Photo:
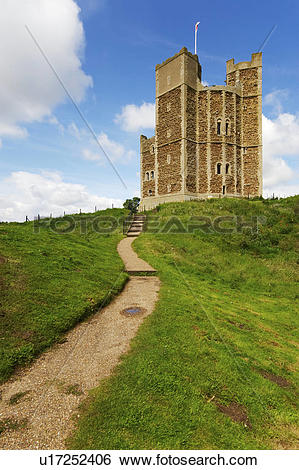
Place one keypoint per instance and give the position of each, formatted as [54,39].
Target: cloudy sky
[105,51]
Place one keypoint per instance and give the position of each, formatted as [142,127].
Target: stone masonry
[208,139]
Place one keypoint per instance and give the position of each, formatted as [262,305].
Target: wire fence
[65,214]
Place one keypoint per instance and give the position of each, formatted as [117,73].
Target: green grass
[50,281]
[214,366]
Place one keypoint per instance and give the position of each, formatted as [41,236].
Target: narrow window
[153,149]
[152,175]
[218,168]
[147,176]
[168,159]
[150,192]
[227,168]
[227,128]
[169,188]
[219,127]
[223,189]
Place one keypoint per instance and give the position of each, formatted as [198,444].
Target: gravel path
[130,258]
[39,401]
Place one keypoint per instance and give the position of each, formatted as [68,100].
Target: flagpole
[196,28]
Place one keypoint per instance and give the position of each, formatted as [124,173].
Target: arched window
[147,176]
[219,127]
[227,127]
[152,175]
[150,192]
[223,189]
[227,169]
[218,169]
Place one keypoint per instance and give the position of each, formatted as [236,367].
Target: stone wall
[169,174]
[239,170]
[229,178]
[170,117]
[230,116]
[216,108]
[203,169]
[231,78]
[191,167]
[238,120]
[148,165]
[250,121]
[250,171]
[249,81]
[216,157]
[191,121]
[202,125]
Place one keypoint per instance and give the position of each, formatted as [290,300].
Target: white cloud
[24,193]
[114,150]
[280,141]
[54,121]
[133,117]
[91,156]
[274,99]
[28,88]
[75,131]
[281,135]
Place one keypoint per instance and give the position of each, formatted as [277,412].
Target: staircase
[136,226]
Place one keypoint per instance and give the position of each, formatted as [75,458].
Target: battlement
[256,61]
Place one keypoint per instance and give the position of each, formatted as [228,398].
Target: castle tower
[208,140]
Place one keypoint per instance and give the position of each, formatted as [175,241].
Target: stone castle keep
[208,139]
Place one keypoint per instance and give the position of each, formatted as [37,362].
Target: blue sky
[106,54]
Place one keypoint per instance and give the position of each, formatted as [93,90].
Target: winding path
[59,379]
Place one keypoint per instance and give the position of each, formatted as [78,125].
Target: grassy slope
[50,281]
[226,315]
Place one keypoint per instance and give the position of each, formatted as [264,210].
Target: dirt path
[40,401]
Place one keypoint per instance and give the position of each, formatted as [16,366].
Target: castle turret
[248,76]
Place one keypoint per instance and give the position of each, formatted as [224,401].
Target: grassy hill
[215,365]
[51,278]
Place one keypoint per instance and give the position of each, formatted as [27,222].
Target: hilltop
[214,366]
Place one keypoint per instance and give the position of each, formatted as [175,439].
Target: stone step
[136,226]
[133,234]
